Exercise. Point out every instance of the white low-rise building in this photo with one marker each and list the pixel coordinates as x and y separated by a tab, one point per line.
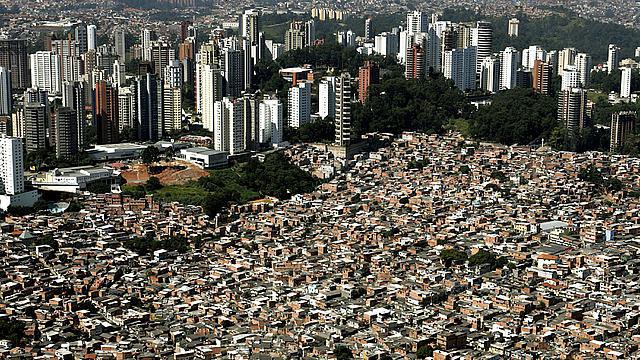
72	180
111	152
204	157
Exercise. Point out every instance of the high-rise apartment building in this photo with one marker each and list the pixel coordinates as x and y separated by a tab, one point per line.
250	121
149	115
161	55
417	22
5	91
68	53
509	64
228	134
490	74
541	75
583	66
343	99
368	29
45	71
327	97
250	30
623	124
66	133
105	112
387	44
482	39
625	83
11	165
368	74
514	27
120	43
270	117
14	58
572	109
35	122
81	38
299	35
299	104
91	37
531	54
566	57
209	91
613	58
173	74
73	97
570	78
460	66
415	66
127	108
233	67
172	109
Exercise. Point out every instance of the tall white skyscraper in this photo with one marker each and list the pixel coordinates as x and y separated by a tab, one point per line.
270	121
299	104
173	74
5	91
368	29
514	25
625	85
566	57
613	59
45	71
327	97
460	66
228	127
119	76
583	66
482	39
531	54
209	91
509	63
11	165
145	38
490	74
387	44
127	106
91	37
417	22
250	25
570	78
171	109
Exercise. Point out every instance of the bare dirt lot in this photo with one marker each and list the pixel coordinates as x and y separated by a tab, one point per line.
174	172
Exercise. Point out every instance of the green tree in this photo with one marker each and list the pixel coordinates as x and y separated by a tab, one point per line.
12	331
424	352
98	187
398	105
153	184
452	255
317	131
343	353
517	116
150	155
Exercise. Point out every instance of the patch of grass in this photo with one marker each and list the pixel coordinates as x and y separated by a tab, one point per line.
596	96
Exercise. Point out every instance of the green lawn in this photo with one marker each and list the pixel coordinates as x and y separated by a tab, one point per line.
596	96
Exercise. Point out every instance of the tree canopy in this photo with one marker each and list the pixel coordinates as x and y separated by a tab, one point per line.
517	116
397	104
